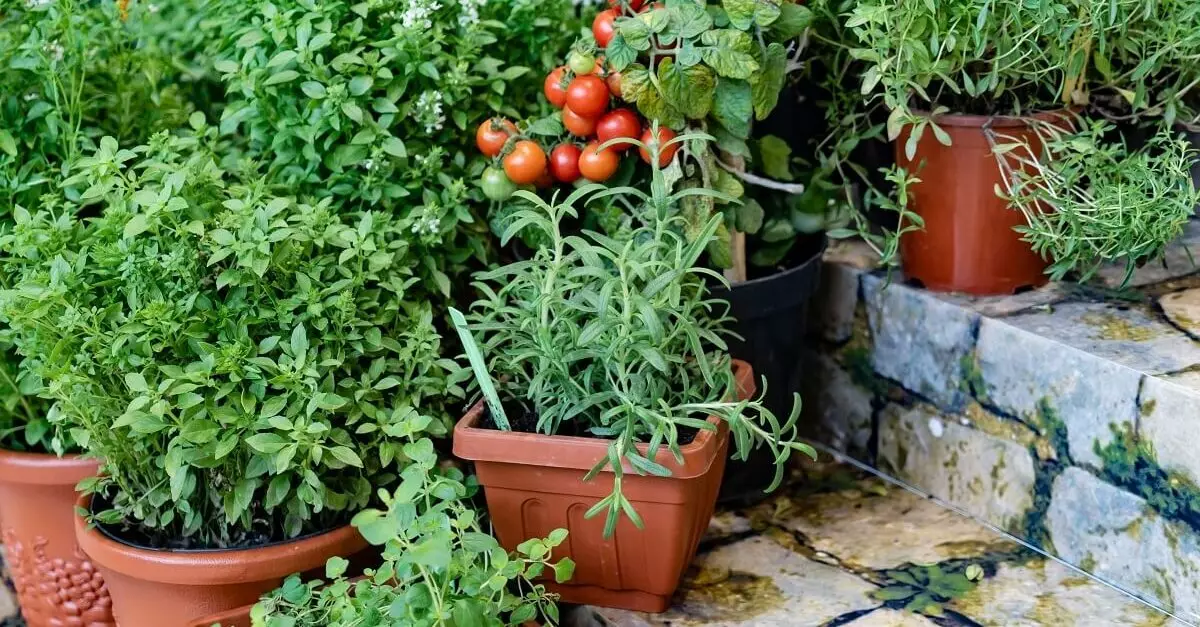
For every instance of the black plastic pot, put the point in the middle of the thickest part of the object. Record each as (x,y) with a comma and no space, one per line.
(771,314)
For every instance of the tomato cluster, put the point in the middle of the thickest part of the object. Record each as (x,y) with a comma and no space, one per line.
(585,90)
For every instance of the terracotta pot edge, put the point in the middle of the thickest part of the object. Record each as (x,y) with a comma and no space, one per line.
(969,120)
(213,568)
(19,467)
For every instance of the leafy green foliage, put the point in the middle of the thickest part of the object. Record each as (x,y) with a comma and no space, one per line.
(243,362)
(438,568)
(615,337)
(1088,201)
(71,72)
(925,588)
(369,102)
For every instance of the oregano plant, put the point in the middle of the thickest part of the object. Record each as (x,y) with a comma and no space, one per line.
(248,365)
(616,338)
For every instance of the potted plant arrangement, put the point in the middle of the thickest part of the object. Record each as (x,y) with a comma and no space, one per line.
(60,65)
(703,65)
(439,567)
(248,367)
(608,393)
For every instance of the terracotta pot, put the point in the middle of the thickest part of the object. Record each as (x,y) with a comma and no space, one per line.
(968,243)
(175,588)
(56,584)
(534,484)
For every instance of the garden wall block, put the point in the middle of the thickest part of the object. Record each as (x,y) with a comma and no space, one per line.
(1116,536)
(1021,371)
(918,340)
(990,477)
(839,411)
(1170,425)
(835,303)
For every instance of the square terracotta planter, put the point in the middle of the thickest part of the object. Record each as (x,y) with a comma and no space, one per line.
(534,484)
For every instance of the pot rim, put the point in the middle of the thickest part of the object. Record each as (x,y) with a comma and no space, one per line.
(213,568)
(969,120)
(580,453)
(45,468)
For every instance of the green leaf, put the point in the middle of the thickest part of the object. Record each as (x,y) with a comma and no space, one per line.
(692,20)
(729,52)
(749,216)
(479,366)
(893,593)
(395,147)
(345,455)
(690,90)
(564,570)
(732,106)
(768,83)
(136,225)
(199,431)
(550,125)
(793,20)
(281,77)
(740,12)
(7,143)
(619,53)
(336,567)
(478,542)
(776,157)
(433,552)
(468,613)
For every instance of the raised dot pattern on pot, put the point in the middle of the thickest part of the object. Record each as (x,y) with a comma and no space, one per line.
(57,592)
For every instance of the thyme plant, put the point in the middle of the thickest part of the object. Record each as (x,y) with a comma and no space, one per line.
(248,366)
(616,338)
(1089,201)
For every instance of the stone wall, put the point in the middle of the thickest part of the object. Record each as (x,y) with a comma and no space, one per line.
(1064,415)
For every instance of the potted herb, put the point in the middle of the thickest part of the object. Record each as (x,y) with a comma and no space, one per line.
(439,567)
(953,76)
(69,72)
(245,364)
(651,71)
(607,391)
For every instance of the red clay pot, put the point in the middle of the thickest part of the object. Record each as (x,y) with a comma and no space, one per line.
(968,244)
(56,584)
(534,484)
(176,588)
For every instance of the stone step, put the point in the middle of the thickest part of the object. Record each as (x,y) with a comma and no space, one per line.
(1068,416)
(842,548)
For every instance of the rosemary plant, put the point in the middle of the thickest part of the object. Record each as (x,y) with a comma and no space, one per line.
(617,338)
(1088,201)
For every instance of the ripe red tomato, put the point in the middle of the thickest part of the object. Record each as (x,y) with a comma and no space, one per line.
(618,123)
(578,125)
(602,27)
(633,4)
(598,165)
(588,96)
(564,163)
(555,91)
(545,180)
(492,134)
(526,163)
(614,83)
(666,153)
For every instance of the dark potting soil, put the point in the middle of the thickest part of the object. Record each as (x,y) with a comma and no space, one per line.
(524,420)
(262,536)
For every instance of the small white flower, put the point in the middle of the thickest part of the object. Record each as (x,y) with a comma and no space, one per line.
(153,8)
(368,164)
(470,12)
(429,111)
(55,50)
(30,96)
(418,14)
(33,4)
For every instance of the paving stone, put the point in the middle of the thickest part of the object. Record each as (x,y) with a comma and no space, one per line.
(1126,335)
(918,340)
(875,532)
(990,477)
(834,305)
(1176,263)
(1114,535)
(1020,370)
(1170,415)
(839,411)
(1183,308)
(1043,593)
(1189,379)
(1008,304)
(884,617)
(757,583)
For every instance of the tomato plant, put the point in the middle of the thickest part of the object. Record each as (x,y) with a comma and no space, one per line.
(614,83)
(588,96)
(578,125)
(618,123)
(496,185)
(554,87)
(491,136)
(564,163)
(598,165)
(582,63)
(526,162)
